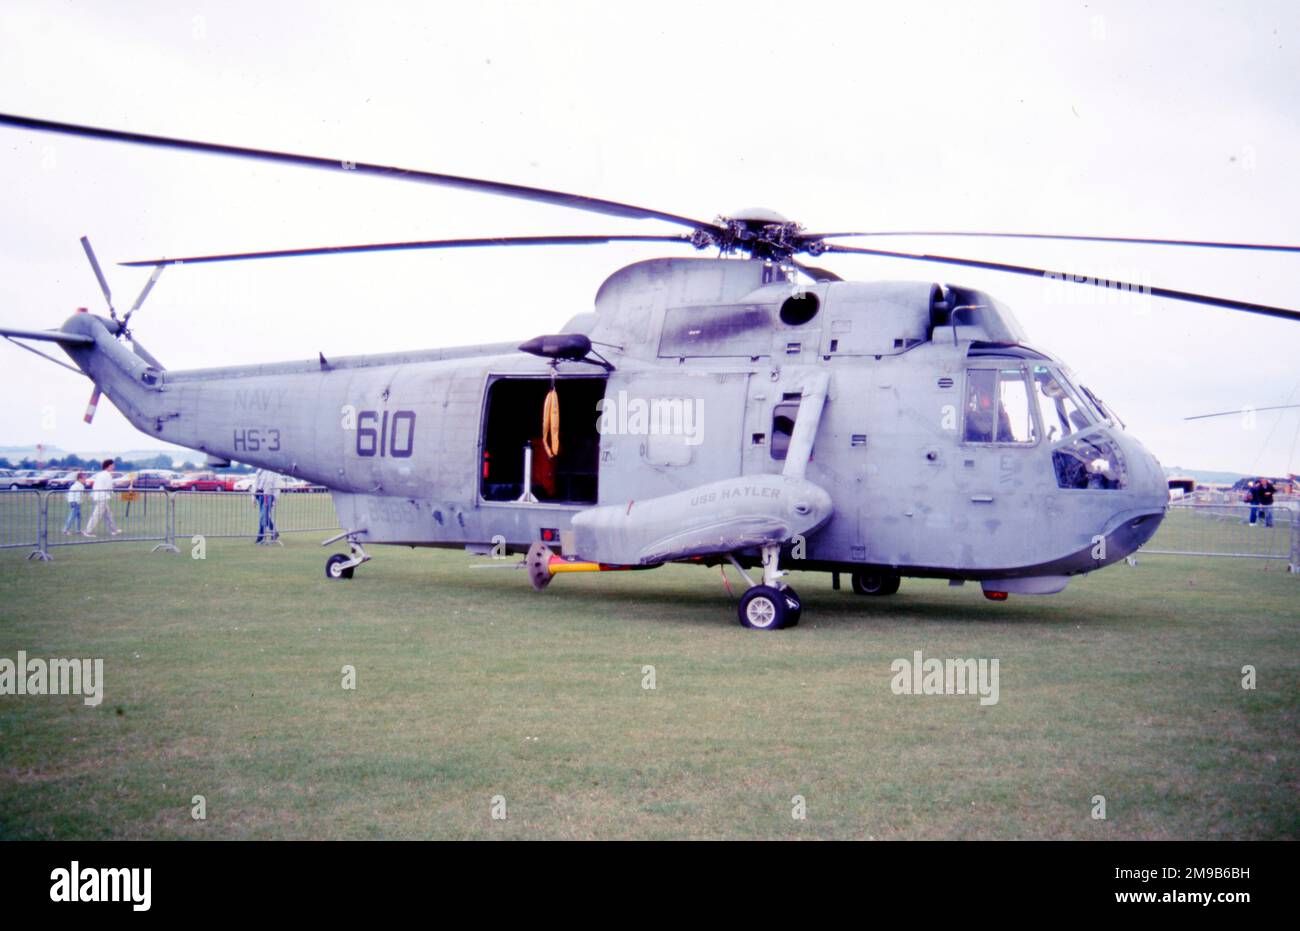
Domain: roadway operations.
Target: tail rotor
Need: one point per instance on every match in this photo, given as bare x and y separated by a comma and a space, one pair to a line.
122, 325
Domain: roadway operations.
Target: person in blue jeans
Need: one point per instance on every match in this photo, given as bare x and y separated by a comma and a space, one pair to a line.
1264, 491
74, 505
265, 487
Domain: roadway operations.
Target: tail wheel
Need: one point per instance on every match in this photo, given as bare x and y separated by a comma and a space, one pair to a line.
874, 582
765, 608
334, 568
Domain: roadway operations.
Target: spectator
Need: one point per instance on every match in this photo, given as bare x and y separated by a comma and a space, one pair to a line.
102, 495
266, 486
74, 504
1264, 491
258, 499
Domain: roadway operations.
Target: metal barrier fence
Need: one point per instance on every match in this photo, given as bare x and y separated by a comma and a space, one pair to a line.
23, 518
235, 513
43, 520
1240, 531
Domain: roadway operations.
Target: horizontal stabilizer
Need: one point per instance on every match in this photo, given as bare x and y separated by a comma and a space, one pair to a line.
53, 336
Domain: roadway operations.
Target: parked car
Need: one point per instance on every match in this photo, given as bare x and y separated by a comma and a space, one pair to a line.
244, 484
26, 478
203, 481
153, 478
63, 481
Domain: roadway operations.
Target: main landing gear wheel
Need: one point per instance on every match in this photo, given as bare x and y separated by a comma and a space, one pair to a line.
763, 607
873, 582
795, 605
334, 568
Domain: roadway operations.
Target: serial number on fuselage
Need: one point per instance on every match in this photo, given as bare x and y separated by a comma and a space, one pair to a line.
381, 433
257, 439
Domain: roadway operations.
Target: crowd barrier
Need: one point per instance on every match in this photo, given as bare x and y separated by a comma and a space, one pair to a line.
45, 520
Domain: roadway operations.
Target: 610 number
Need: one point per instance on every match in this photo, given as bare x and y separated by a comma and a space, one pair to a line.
386, 435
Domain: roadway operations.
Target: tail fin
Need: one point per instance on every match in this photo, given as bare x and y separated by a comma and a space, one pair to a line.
129, 377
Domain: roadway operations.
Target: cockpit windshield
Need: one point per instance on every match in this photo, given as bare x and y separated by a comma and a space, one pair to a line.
1104, 410
1062, 409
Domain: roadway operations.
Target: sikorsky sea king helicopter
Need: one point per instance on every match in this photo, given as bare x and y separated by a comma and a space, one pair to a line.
709, 410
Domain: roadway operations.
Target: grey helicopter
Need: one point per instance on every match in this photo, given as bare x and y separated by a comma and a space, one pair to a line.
743, 409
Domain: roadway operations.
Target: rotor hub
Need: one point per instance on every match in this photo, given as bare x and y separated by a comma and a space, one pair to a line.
759, 231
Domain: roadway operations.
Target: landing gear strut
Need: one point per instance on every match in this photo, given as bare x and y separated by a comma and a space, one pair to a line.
340, 566
770, 605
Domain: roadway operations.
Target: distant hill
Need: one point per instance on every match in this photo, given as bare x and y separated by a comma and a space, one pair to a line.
177, 455
1205, 476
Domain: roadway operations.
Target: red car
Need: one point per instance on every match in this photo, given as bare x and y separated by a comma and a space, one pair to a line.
203, 481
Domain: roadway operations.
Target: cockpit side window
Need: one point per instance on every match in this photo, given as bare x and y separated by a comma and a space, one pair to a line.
980, 415
1015, 415
999, 407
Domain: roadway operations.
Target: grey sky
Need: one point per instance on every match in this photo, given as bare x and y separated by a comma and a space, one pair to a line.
1164, 119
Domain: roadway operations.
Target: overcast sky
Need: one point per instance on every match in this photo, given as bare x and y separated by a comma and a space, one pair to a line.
1173, 120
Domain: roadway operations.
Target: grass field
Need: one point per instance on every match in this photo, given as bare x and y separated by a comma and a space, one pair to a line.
223, 679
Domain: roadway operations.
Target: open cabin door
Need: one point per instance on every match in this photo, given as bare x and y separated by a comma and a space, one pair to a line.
515, 444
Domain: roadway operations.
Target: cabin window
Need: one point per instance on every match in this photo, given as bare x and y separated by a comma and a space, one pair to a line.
999, 407
783, 418
513, 422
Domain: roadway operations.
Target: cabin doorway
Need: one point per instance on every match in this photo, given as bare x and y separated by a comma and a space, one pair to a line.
513, 442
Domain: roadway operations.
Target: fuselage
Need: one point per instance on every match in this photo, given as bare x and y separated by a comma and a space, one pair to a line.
946, 445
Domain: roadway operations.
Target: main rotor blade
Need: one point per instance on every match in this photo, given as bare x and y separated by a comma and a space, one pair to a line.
1244, 410
99, 274
1189, 296
1262, 247
405, 246
518, 191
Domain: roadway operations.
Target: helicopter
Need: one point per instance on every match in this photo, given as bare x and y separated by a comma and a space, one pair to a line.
741, 409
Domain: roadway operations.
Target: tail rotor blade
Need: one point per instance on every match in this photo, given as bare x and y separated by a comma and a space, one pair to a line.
99, 274
144, 293
94, 403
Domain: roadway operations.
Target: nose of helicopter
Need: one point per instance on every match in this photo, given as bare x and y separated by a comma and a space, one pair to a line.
1148, 498
1146, 475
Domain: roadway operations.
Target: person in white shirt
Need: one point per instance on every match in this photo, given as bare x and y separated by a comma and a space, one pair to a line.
266, 485
74, 504
101, 494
